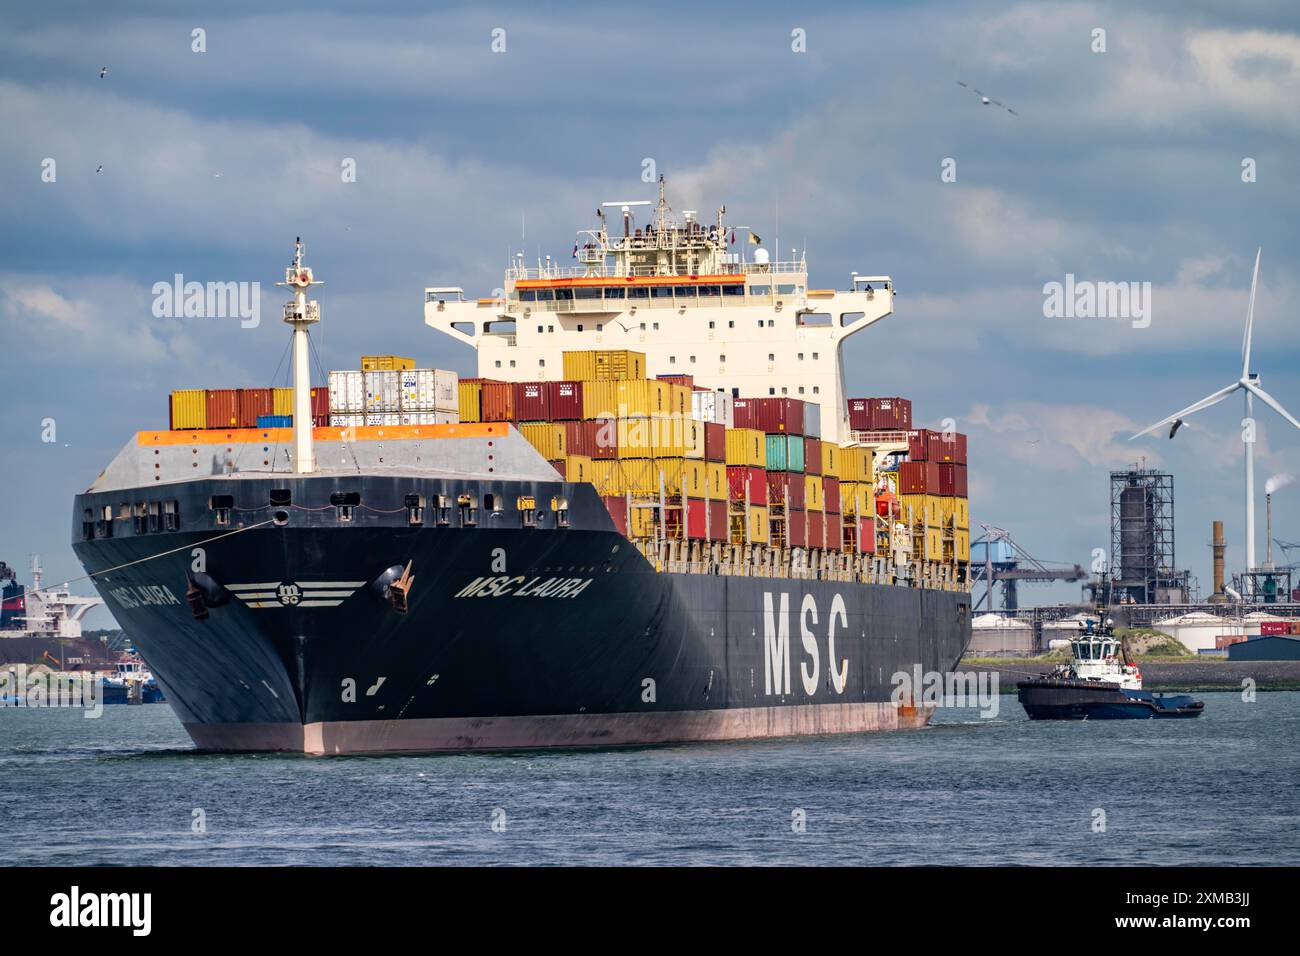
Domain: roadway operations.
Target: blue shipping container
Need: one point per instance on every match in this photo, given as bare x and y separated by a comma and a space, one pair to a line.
274, 421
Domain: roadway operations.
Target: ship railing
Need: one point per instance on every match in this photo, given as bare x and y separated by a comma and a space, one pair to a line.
603, 271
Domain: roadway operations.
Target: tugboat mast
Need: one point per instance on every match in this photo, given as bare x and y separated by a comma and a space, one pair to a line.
301, 313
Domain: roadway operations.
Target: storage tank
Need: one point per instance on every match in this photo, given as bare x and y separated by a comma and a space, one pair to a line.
993, 635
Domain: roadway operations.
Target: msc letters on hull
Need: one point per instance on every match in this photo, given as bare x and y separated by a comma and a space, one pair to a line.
776, 645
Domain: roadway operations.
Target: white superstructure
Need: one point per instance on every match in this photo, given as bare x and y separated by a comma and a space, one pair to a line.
50, 612
684, 293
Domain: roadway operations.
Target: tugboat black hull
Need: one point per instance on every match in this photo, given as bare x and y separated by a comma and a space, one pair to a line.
1091, 700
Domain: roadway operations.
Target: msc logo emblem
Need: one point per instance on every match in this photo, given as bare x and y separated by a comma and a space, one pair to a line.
294, 593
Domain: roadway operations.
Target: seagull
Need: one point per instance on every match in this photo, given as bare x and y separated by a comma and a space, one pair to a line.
986, 101
103, 72
99, 168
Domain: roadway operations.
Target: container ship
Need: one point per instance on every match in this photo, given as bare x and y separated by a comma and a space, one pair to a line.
653, 516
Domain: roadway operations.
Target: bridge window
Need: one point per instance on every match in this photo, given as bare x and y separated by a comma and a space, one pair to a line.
760, 290
661, 292
734, 289
528, 295
587, 293
684, 291
710, 291
614, 292
638, 292
563, 295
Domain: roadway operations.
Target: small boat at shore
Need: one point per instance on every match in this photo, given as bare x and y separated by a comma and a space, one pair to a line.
1100, 682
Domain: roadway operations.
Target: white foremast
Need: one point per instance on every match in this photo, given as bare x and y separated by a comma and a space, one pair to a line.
301, 313
676, 291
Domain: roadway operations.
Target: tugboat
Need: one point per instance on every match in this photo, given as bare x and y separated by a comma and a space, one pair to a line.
1100, 682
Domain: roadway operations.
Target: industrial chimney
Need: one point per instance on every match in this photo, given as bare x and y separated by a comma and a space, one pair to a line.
1219, 596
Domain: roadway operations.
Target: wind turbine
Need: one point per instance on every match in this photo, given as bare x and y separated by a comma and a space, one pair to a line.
1248, 385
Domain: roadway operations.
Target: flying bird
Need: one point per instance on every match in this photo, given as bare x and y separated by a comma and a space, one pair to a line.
103, 72
99, 168
986, 100
1177, 425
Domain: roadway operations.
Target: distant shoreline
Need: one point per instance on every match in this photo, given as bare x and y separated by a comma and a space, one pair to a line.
1163, 675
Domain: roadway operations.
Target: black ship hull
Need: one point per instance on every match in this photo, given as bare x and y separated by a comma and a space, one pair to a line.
515, 636
1053, 699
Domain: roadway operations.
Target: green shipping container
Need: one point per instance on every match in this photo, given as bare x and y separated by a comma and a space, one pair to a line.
776, 452
794, 454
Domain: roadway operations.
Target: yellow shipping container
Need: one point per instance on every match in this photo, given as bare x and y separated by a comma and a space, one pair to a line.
620, 399
812, 493
746, 446
671, 472
386, 363
717, 473
756, 519
470, 401
962, 545
830, 460
189, 409
643, 521
918, 510
603, 365
281, 401
857, 498
933, 545
695, 479
961, 513
606, 475
578, 468
692, 437
679, 399
857, 464
546, 437
649, 437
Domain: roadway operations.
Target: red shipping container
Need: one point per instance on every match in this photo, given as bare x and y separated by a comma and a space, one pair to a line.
880, 414
947, 479
816, 529
498, 402
254, 402
593, 439
834, 532
1223, 641
918, 478
564, 400
320, 406
223, 408
679, 378
616, 505
959, 487
696, 511
812, 456
560, 466
772, 416
796, 529
918, 444
786, 489
947, 446
867, 535
739, 475
715, 441
1270, 628
532, 402
831, 494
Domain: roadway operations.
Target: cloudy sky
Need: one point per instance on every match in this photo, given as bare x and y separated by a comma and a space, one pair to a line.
1123, 165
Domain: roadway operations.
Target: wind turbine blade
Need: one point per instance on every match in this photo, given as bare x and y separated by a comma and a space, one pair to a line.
1206, 402
1250, 319
1273, 403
